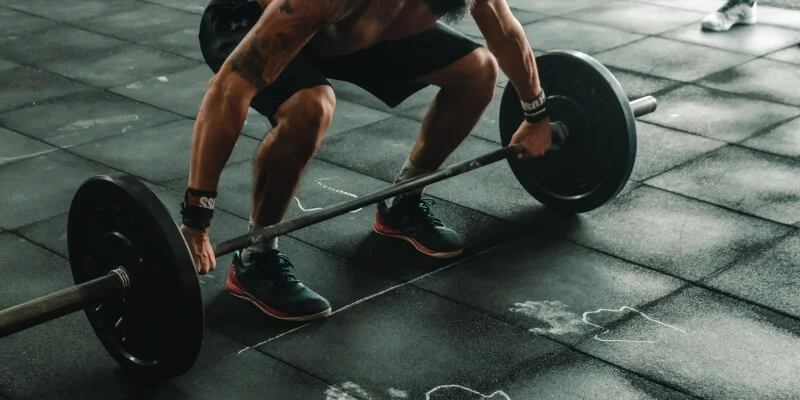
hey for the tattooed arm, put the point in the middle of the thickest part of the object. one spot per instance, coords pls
(281, 32)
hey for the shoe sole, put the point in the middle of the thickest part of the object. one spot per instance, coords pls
(391, 233)
(749, 21)
(235, 291)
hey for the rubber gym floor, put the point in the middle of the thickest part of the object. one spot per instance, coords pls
(684, 286)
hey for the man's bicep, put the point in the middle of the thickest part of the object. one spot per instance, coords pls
(283, 29)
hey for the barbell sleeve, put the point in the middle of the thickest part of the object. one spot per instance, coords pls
(643, 106)
(47, 308)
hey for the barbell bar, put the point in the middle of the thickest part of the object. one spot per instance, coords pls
(136, 280)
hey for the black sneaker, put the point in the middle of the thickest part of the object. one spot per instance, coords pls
(410, 218)
(269, 284)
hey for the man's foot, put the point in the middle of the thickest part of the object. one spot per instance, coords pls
(266, 280)
(410, 218)
(732, 13)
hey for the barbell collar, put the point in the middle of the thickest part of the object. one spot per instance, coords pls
(47, 308)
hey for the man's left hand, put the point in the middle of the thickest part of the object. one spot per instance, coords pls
(535, 137)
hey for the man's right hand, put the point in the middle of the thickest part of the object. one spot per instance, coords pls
(201, 249)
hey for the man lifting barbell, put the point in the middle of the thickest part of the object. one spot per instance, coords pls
(276, 56)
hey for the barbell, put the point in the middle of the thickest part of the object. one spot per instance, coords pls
(135, 277)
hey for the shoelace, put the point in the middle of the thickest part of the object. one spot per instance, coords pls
(278, 268)
(422, 210)
(732, 3)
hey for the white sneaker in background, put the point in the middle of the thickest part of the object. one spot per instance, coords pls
(732, 13)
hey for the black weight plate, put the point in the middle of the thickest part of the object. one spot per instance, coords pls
(597, 158)
(155, 332)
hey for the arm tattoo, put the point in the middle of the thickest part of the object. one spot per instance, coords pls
(251, 63)
(284, 39)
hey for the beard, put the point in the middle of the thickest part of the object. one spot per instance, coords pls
(451, 10)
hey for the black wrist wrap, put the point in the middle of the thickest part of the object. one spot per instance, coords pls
(197, 208)
(535, 110)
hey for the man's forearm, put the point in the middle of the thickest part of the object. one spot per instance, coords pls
(506, 39)
(516, 59)
(216, 131)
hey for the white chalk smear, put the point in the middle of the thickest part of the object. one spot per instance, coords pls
(319, 182)
(622, 309)
(163, 79)
(89, 123)
(338, 392)
(561, 321)
(397, 393)
(501, 395)
(4, 160)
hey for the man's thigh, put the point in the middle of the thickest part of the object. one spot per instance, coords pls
(393, 70)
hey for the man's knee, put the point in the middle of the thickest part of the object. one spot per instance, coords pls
(304, 118)
(481, 73)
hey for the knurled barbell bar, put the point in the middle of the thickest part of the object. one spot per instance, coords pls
(136, 280)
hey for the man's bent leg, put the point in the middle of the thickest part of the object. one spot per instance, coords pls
(283, 155)
(467, 87)
(261, 274)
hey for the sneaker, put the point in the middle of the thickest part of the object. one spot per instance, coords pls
(266, 280)
(732, 13)
(410, 218)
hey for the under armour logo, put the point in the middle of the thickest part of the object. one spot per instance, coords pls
(242, 24)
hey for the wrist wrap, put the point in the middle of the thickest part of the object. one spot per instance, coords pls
(535, 110)
(197, 208)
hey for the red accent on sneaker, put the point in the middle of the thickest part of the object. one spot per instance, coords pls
(238, 290)
(391, 232)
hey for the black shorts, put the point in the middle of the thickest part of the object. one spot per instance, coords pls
(387, 70)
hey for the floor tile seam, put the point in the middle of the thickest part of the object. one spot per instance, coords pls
(698, 83)
(646, 307)
(768, 129)
(753, 255)
(651, 34)
(90, 88)
(686, 9)
(183, 10)
(700, 282)
(715, 205)
(276, 359)
(314, 376)
(361, 301)
(73, 24)
(57, 148)
(492, 315)
(737, 144)
(574, 346)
